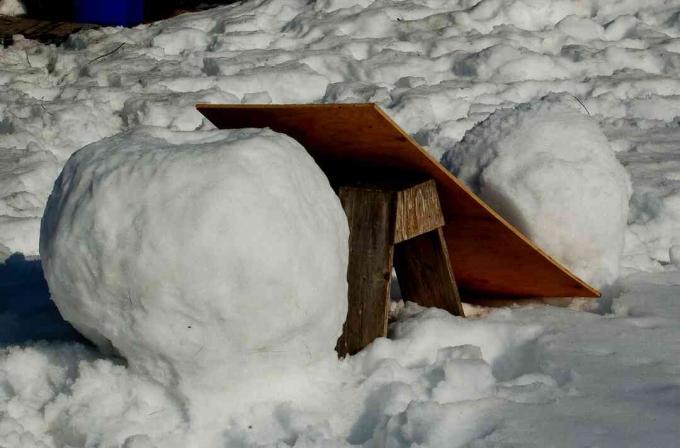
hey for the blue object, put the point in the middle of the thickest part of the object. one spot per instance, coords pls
(110, 12)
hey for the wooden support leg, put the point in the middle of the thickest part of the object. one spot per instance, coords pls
(425, 274)
(379, 218)
(370, 214)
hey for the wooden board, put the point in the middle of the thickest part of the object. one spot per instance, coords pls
(418, 211)
(425, 274)
(359, 142)
(370, 216)
(43, 30)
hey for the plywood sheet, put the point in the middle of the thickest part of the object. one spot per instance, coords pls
(359, 142)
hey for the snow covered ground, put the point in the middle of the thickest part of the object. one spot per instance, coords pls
(603, 374)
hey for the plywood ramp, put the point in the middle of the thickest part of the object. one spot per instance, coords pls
(360, 143)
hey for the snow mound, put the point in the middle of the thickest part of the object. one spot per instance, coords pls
(12, 8)
(206, 259)
(549, 170)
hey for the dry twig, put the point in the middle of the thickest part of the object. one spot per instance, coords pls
(580, 102)
(106, 54)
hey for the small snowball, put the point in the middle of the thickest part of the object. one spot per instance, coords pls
(548, 169)
(207, 259)
(465, 375)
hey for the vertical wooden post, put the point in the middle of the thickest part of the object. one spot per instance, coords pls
(370, 214)
(400, 225)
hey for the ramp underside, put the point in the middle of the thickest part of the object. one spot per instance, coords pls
(360, 143)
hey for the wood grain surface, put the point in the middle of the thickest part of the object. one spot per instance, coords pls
(418, 211)
(370, 215)
(425, 273)
(360, 143)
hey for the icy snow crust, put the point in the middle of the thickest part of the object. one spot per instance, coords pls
(602, 375)
(206, 259)
(550, 171)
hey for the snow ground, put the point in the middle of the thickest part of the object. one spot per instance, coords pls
(596, 375)
(608, 376)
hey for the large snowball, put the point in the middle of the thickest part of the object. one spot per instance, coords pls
(548, 168)
(205, 258)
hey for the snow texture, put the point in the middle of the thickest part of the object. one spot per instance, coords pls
(206, 259)
(437, 67)
(601, 373)
(549, 170)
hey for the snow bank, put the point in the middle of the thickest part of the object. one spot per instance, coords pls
(62, 394)
(209, 260)
(395, 393)
(12, 7)
(441, 381)
(549, 170)
(437, 67)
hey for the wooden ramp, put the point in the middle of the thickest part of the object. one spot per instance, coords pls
(359, 143)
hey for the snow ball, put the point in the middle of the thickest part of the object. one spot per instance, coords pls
(549, 170)
(204, 258)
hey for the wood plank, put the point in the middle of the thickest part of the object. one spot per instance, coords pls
(46, 31)
(370, 214)
(360, 142)
(418, 211)
(65, 29)
(425, 274)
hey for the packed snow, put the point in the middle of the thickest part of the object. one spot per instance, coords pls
(601, 373)
(183, 251)
(549, 170)
(436, 67)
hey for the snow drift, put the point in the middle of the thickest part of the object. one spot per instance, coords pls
(548, 169)
(209, 260)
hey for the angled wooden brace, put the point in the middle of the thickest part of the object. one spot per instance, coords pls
(398, 227)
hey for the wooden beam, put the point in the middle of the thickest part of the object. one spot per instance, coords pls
(425, 273)
(418, 211)
(370, 215)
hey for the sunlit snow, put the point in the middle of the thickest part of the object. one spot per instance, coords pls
(604, 373)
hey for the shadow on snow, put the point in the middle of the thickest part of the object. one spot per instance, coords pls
(26, 311)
